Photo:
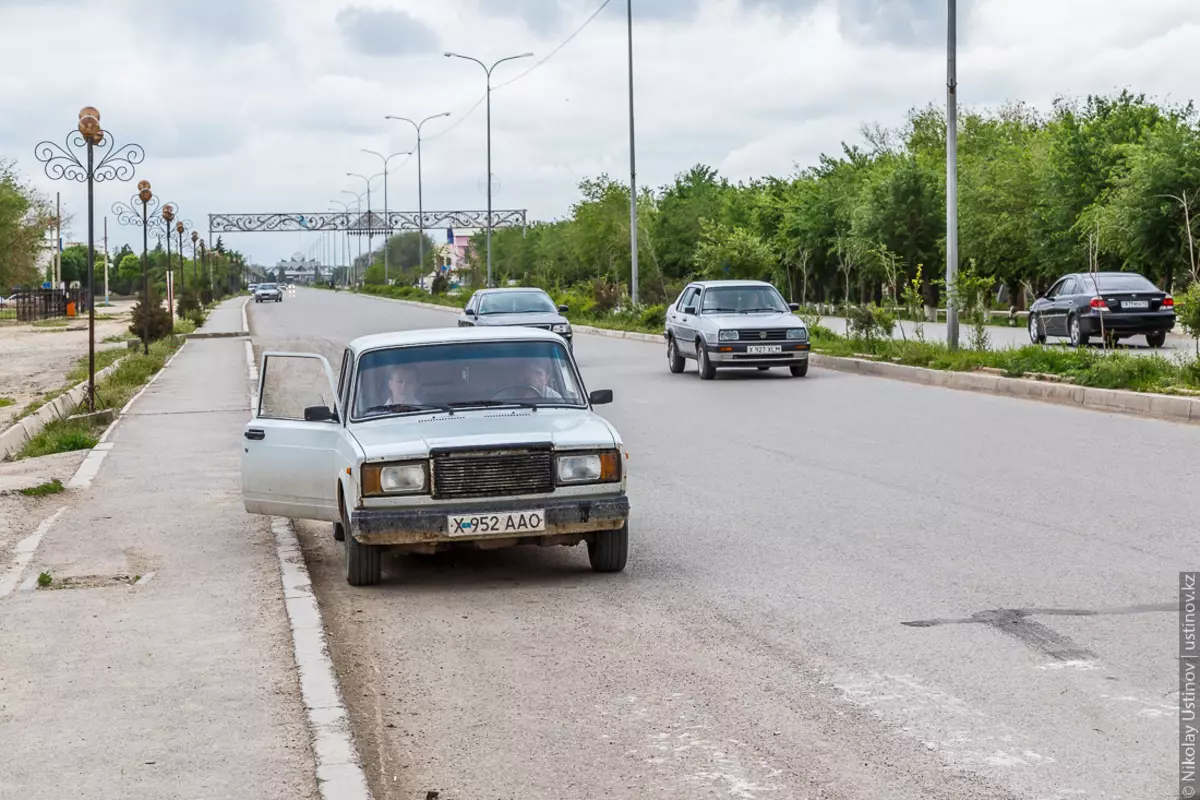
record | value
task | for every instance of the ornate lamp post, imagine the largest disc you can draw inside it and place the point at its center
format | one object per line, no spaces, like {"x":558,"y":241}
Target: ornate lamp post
{"x":127,"y":215}
{"x":168,"y":216}
{"x":114,"y":164}
{"x":179,"y":229}
{"x":204,"y":271}
{"x":195,"y":279}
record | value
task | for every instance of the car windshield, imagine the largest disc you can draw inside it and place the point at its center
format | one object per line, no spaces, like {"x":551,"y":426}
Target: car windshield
{"x":267,"y":286}
{"x":516,"y":303}
{"x":446,"y":377}
{"x":1122,"y":283}
{"x":743,"y":299}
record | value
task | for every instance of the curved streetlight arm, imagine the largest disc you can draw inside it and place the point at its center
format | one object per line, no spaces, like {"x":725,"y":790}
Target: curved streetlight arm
{"x":421,"y":124}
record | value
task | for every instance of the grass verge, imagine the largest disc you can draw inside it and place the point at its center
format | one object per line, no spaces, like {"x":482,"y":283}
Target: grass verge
{"x":53,"y":487}
{"x":5,"y":402}
{"x":65,"y":435}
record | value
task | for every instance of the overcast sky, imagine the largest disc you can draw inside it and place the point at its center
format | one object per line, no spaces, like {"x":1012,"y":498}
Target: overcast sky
{"x":264,"y":105}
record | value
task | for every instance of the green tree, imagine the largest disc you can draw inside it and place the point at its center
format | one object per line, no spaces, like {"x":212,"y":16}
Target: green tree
{"x":24,"y":220}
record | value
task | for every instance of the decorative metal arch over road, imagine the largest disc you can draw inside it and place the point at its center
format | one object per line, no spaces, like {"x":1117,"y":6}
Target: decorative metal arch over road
{"x":362,"y":224}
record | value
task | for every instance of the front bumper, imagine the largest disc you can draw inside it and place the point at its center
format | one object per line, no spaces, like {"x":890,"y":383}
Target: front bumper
{"x":428,"y":524}
{"x":736,"y":354}
{"x":1126,"y":323}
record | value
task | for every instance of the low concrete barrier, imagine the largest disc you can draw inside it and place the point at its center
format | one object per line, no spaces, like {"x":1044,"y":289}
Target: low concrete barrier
{"x":13,"y":439}
{"x":1161,"y":406}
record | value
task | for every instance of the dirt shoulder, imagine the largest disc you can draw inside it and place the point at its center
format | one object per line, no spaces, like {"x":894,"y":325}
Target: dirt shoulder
{"x":35,"y":359}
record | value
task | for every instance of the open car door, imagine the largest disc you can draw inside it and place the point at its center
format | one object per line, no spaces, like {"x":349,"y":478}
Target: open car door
{"x":288,"y":449}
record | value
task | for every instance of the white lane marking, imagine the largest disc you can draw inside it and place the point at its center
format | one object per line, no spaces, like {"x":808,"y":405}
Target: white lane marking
{"x":23,"y":553}
{"x":142,"y":581}
{"x":245,"y":320}
{"x":340,"y":774}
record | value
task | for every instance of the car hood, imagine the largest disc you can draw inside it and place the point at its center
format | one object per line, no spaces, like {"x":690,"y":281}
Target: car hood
{"x":782,"y":319}
{"x":415,"y":436}
{"x":546,"y":318}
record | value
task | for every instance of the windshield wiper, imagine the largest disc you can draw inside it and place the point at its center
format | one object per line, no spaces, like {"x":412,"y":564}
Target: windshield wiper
{"x":757,"y":310}
{"x":403,"y":408}
{"x":493,"y":404}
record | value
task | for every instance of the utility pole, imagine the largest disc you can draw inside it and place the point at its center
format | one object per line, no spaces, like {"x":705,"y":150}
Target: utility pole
{"x":58,"y":236}
{"x":633,"y":216}
{"x":106,"y":303}
{"x":952,"y":177}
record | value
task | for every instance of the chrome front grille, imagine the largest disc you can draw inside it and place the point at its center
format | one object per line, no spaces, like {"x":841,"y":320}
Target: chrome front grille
{"x":492,"y":473}
{"x":750,"y":337}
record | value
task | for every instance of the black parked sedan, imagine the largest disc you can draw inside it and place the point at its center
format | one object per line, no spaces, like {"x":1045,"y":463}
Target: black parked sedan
{"x":1116,"y":305}
{"x":530,"y":308}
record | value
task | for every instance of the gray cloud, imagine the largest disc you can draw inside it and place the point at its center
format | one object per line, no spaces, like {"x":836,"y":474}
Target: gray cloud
{"x":385,"y":32}
{"x":550,"y":16}
{"x":219,"y":22}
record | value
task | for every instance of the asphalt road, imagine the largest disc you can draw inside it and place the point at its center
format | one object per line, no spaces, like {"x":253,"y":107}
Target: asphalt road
{"x":785,"y":534}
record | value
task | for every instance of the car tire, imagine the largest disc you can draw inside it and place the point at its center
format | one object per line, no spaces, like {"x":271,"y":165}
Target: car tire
{"x":1075,"y":332}
{"x":1157,"y":339}
{"x":1037,"y":330}
{"x":610,"y":551}
{"x":705,"y":367}
{"x":799,"y":370}
{"x":363,"y":562}
{"x":675,"y":362}
{"x":339,"y":532}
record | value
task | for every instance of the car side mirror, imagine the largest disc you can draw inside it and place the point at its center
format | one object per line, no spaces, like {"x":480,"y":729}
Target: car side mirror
{"x":319,"y":414}
{"x":689,"y":309}
{"x":794,"y":306}
{"x":470,"y":312}
{"x":563,"y":309}
{"x":601,"y":397}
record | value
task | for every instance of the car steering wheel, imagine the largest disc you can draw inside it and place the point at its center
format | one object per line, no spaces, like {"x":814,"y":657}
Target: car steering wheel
{"x":526,"y":387}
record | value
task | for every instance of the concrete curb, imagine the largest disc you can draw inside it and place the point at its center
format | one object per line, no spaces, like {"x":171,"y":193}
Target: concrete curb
{"x":217,"y":335}
{"x":13,"y":439}
{"x":1158,"y":406}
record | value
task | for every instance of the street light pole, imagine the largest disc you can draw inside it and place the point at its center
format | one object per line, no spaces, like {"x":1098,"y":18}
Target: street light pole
{"x":633,"y":217}
{"x":420,"y":193}
{"x":488,"y":71}
{"x":370,"y":221}
{"x":358,"y":210}
{"x":387,"y":227}
{"x":952,"y":176}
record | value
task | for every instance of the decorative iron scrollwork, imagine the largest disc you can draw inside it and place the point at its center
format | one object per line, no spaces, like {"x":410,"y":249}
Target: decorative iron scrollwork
{"x":363,"y":224}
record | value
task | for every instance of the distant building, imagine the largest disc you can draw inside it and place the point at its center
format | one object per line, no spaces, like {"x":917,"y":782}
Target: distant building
{"x":299,"y":269}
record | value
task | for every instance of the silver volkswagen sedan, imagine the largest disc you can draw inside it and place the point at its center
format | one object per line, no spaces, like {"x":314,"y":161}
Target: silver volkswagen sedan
{"x":735,"y":324}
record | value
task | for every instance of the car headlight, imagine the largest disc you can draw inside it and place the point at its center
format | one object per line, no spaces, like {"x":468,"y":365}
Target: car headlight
{"x":562,"y":327}
{"x":388,"y":479}
{"x":799,"y":334}
{"x":602,"y":467}
{"x":727,"y":336}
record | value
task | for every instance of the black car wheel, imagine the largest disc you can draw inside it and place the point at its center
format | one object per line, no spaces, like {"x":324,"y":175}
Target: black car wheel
{"x":363,"y":562}
{"x":674,"y":360}
{"x":706,"y":368}
{"x":610,"y":551}
{"x":799,"y":370}
{"x":1075,"y":332}
{"x":1037,"y":331}
{"x":1156,"y":340}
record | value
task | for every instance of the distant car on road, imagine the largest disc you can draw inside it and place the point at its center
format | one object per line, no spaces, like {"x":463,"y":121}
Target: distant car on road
{"x":523,"y":307}
{"x":435,"y":439}
{"x":265,"y":292}
{"x":735,"y":324}
{"x":1116,"y":305}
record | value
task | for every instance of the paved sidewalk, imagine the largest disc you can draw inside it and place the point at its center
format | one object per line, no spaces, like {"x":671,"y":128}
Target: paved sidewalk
{"x":184,"y":685}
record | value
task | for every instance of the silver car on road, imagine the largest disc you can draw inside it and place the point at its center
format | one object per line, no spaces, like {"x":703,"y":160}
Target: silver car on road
{"x":735,"y":324}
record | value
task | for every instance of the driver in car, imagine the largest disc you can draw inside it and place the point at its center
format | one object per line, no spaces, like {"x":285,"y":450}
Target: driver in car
{"x":537,"y":376}
{"x":402,"y":386}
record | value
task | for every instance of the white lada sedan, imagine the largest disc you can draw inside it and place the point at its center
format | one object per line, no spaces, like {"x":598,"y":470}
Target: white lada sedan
{"x":482,"y":437}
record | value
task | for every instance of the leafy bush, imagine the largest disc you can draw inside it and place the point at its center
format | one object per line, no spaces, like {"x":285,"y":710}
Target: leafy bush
{"x":160,"y":323}
{"x":1187,"y":312}
{"x":440,"y":284}
{"x":607,"y":296}
{"x":187,"y":302}
{"x":654,"y":316}
{"x":870,"y":323}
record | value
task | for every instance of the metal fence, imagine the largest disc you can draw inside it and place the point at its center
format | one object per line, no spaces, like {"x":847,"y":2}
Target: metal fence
{"x":33,"y":305}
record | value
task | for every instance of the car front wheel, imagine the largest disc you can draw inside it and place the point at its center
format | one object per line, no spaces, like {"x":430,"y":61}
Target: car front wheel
{"x":674,"y":360}
{"x":610,"y":551}
{"x":1037,"y":333}
{"x":707,"y":370}
{"x":363,"y":562}
{"x":799,"y":370}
